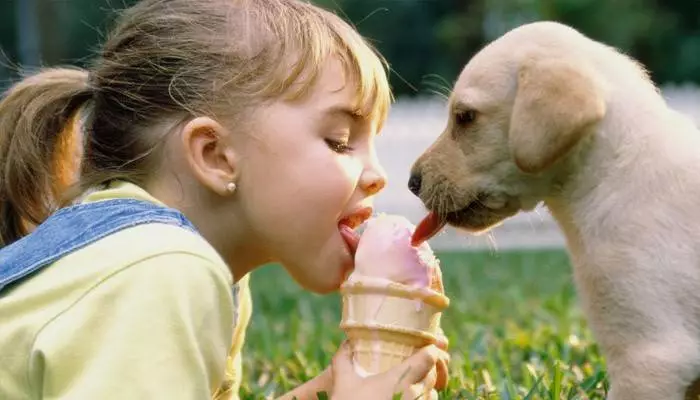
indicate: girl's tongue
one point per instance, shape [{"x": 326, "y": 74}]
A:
[{"x": 351, "y": 238}]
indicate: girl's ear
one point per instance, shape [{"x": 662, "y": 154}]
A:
[{"x": 209, "y": 154}]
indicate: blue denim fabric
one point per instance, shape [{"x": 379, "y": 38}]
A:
[{"x": 75, "y": 227}]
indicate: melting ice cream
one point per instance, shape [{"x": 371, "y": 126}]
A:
[{"x": 385, "y": 252}]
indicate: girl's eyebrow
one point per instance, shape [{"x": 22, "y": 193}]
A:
[{"x": 344, "y": 110}]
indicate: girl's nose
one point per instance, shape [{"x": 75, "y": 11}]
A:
[{"x": 373, "y": 179}]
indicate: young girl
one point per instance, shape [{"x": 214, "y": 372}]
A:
[{"x": 218, "y": 135}]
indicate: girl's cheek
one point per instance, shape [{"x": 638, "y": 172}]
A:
[{"x": 352, "y": 167}]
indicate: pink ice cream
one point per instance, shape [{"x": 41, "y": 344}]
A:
[{"x": 385, "y": 252}]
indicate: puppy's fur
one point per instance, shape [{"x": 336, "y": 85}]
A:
[{"x": 545, "y": 114}]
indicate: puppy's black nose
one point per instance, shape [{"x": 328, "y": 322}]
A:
[{"x": 414, "y": 183}]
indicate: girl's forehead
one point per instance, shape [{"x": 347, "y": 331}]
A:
[
  {"x": 335, "y": 87},
  {"x": 326, "y": 57},
  {"x": 335, "y": 77}
]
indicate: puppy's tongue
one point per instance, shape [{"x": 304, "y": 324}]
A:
[
  {"x": 427, "y": 228},
  {"x": 351, "y": 238}
]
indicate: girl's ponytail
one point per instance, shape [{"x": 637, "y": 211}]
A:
[{"x": 37, "y": 146}]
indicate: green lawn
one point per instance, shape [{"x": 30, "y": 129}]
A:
[{"x": 515, "y": 330}]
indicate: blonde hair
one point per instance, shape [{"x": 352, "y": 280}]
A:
[{"x": 166, "y": 61}]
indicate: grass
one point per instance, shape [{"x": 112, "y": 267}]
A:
[{"x": 514, "y": 325}]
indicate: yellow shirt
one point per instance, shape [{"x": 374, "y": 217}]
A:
[{"x": 145, "y": 313}]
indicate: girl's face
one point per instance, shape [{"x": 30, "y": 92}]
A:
[{"x": 308, "y": 169}]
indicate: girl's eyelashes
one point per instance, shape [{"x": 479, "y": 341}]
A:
[{"x": 338, "y": 146}]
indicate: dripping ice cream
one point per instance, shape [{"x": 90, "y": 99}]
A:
[{"x": 393, "y": 300}]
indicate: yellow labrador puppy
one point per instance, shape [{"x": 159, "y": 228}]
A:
[{"x": 545, "y": 114}]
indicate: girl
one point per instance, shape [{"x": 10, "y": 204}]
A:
[{"x": 218, "y": 135}]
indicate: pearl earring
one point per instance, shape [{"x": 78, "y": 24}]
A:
[{"x": 231, "y": 187}]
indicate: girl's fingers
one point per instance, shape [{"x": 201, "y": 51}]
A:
[
  {"x": 416, "y": 367},
  {"x": 342, "y": 360},
  {"x": 442, "y": 341},
  {"x": 442, "y": 374}
]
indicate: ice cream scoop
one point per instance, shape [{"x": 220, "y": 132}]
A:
[{"x": 385, "y": 252}]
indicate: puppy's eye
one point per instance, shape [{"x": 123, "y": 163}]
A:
[{"x": 465, "y": 117}]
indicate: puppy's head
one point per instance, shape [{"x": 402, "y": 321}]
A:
[{"x": 518, "y": 109}]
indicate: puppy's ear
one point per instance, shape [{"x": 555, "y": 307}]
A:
[{"x": 557, "y": 103}]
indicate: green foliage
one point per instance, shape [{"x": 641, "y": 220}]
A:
[
  {"x": 514, "y": 325},
  {"x": 424, "y": 39},
  {"x": 427, "y": 42}
]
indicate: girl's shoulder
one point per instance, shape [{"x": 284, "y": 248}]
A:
[
  {"x": 137, "y": 244},
  {"x": 143, "y": 241},
  {"x": 127, "y": 280},
  {"x": 107, "y": 232},
  {"x": 143, "y": 294}
]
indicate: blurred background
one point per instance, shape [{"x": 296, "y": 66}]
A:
[
  {"x": 514, "y": 321},
  {"x": 426, "y": 42}
]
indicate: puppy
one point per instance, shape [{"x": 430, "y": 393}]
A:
[{"x": 546, "y": 114}]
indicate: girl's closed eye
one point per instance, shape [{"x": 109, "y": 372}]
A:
[{"x": 339, "y": 145}]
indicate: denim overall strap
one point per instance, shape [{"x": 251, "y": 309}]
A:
[{"x": 75, "y": 227}]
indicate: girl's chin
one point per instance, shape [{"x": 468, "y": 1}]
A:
[
  {"x": 338, "y": 269},
  {"x": 335, "y": 271},
  {"x": 331, "y": 266},
  {"x": 324, "y": 275},
  {"x": 326, "y": 286}
]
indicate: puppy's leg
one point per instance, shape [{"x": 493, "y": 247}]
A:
[{"x": 662, "y": 369}]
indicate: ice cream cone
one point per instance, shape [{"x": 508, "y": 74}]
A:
[
  {"x": 393, "y": 299},
  {"x": 387, "y": 322}
]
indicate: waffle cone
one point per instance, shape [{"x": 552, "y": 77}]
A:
[
  {"x": 387, "y": 322},
  {"x": 378, "y": 350}
]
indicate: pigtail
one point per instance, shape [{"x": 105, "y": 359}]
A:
[{"x": 37, "y": 146}]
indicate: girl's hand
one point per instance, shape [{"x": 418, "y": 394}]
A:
[
  {"x": 419, "y": 368},
  {"x": 311, "y": 390},
  {"x": 442, "y": 366}
]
